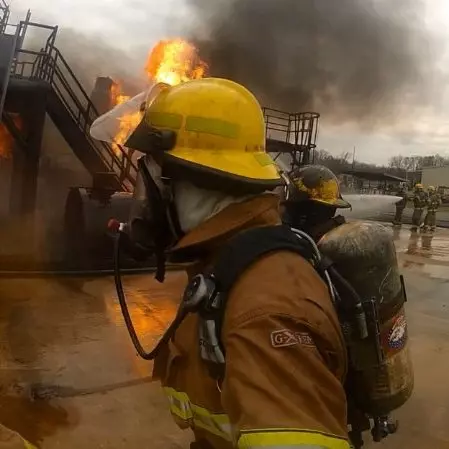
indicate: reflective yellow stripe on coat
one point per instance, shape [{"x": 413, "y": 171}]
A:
[
  {"x": 187, "y": 414},
  {"x": 289, "y": 439}
]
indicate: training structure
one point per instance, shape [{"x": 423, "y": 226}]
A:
[{"x": 35, "y": 85}]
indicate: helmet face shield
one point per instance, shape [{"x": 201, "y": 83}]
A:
[{"x": 118, "y": 124}]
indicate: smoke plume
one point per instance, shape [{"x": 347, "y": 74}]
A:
[
  {"x": 363, "y": 60},
  {"x": 90, "y": 56}
]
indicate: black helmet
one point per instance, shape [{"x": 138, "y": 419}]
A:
[{"x": 318, "y": 184}]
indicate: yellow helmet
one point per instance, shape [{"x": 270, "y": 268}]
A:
[
  {"x": 419, "y": 186},
  {"x": 431, "y": 189},
  {"x": 214, "y": 132},
  {"x": 318, "y": 184}
]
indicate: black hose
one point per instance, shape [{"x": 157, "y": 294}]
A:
[
  {"x": 79, "y": 273},
  {"x": 127, "y": 317}
]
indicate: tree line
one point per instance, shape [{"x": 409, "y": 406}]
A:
[{"x": 397, "y": 165}]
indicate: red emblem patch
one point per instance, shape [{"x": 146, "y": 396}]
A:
[{"x": 285, "y": 337}]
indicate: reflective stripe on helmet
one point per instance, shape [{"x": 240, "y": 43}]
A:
[
  {"x": 213, "y": 126},
  {"x": 187, "y": 414},
  {"x": 290, "y": 439}
]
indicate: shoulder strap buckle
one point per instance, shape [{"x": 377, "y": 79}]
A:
[{"x": 200, "y": 293}]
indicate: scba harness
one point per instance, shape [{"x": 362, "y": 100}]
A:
[{"x": 207, "y": 294}]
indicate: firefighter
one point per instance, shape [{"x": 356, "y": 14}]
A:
[
  {"x": 419, "y": 203},
  {"x": 12, "y": 440},
  {"x": 400, "y": 205},
  {"x": 433, "y": 204},
  {"x": 364, "y": 255},
  {"x": 206, "y": 169},
  {"x": 313, "y": 199}
]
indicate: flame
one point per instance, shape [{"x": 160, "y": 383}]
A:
[
  {"x": 126, "y": 123},
  {"x": 174, "y": 61},
  {"x": 6, "y": 140}
]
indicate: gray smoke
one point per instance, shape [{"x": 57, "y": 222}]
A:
[
  {"x": 91, "y": 56},
  {"x": 364, "y": 60}
]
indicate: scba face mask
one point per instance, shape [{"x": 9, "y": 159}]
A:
[{"x": 153, "y": 226}]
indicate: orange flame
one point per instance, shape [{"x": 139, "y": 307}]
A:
[
  {"x": 175, "y": 61},
  {"x": 6, "y": 140},
  {"x": 127, "y": 123},
  {"x": 172, "y": 62}
]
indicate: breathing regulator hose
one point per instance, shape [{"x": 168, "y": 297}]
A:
[{"x": 119, "y": 238}]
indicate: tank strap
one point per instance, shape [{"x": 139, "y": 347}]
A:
[
  {"x": 244, "y": 249},
  {"x": 236, "y": 257}
]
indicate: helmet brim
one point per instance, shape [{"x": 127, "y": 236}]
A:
[
  {"x": 253, "y": 166},
  {"x": 339, "y": 203},
  {"x": 204, "y": 174}
]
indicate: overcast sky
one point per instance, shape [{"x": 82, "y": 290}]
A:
[{"x": 133, "y": 26}]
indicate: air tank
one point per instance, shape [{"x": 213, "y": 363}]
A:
[{"x": 380, "y": 378}]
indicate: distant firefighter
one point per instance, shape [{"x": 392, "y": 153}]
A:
[
  {"x": 419, "y": 203},
  {"x": 400, "y": 205},
  {"x": 433, "y": 204}
]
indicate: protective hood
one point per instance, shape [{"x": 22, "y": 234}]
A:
[{"x": 195, "y": 205}]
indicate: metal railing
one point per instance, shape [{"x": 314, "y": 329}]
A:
[
  {"x": 50, "y": 66},
  {"x": 291, "y": 133},
  {"x": 4, "y": 16},
  {"x": 298, "y": 128}
]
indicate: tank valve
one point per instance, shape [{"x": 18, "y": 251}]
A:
[{"x": 383, "y": 426}]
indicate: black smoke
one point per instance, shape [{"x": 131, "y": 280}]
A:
[{"x": 352, "y": 60}]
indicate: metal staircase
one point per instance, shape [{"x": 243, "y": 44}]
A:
[{"x": 68, "y": 105}]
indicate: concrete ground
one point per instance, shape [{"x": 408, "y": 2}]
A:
[{"x": 70, "y": 378}]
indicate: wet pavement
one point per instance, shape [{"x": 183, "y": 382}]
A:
[
  {"x": 70, "y": 377},
  {"x": 442, "y": 218}
]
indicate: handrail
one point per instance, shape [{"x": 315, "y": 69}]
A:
[
  {"x": 90, "y": 105},
  {"x": 49, "y": 65}
]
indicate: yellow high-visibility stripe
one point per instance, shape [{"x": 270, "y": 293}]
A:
[
  {"x": 195, "y": 416},
  {"x": 288, "y": 439},
  {"x": 217, "y": 127},
  {"x": 28, "y": 445},
  {"x": 165, "y": 120},
  {"x": 187, "y": 414}
]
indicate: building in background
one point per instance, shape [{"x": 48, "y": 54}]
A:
[
  {"x": 439, "y": 178},
  {"x": 435, "y": 176}
]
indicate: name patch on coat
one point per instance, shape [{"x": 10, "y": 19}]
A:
[{"x": 285, "y": 337}]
